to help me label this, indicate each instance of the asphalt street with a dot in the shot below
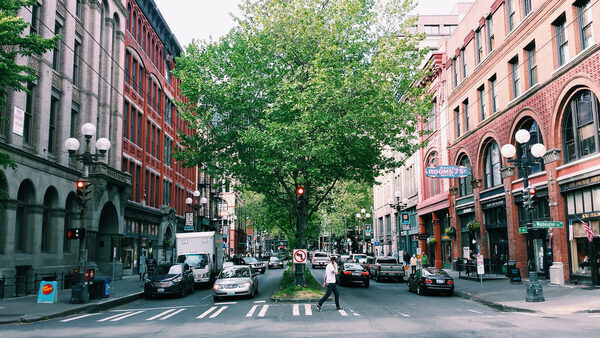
(383, 309)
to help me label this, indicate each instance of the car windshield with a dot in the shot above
(168, 270)
(249, 260)
(352, 266)
(320, 254)
(437, 272)
(193, 260)
(274, 259)
(235, 272)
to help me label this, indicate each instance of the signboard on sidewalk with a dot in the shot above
(47, 293)
(547, 224)
(300, 256)
(480, 267)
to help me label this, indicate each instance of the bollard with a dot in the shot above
(534, 289)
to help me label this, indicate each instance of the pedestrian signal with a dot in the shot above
(75, 233)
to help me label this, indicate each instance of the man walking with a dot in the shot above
(330, 272)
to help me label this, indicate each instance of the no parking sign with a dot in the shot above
(300, 256)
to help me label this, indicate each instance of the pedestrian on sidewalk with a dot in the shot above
(330, 271)
(142, 266)
(406, 258)
(424, 260)
(413, 264)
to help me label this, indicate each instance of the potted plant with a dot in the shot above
(167, 243)
(474, 226)
(451, 232)
(431, 240)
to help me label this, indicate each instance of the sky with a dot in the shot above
(202, 19)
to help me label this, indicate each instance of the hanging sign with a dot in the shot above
(447, 171)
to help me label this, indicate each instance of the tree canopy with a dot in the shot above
(305, 93)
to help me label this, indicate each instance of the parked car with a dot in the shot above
(356, 258)
(344, 258)
(169, 278)
(387, 267)
(430, 280)
(319, 259)
(254, 263)
(275, 262)
(353, 273)
(237, 280)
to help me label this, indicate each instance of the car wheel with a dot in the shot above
(216, 298)
(420, 290)
(192, 288)
(182, 291)
(408, 287)
(377, 278)
(451, 293)
(147, 295)
(366, 284)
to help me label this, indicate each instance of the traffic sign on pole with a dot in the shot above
(300, 256)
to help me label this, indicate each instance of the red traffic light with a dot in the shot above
(531, 191)
(80, 184)
(300, 191)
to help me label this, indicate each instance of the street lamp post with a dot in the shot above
(88, 130)
(399, 205)
(362, 215)
(194, 203)
(534, 289)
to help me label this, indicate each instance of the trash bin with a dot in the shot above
(97, 289)
(106, 289)
(557, 275)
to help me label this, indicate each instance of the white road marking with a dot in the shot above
(307, 309)
(404, 315)
(207, 312)
(263, 311)
(475, 311)
(343, 313)
(123, 317)
(218, 312)
(594, 316)
(115, 316)
(226, 303)
(78, 317)
(205, 297)
(296, 310)
(356, 314)
(529, 314)
(251, 312)
(160, 314)
(155, 308)
(259, 301)
(172, 314)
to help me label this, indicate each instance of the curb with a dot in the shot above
(85, 308)
(491, 304)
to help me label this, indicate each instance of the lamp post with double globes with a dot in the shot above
(399, 205)
(534, 289)
(362, 215)
(88, 130)
(194, 203)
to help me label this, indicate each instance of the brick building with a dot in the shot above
(533, 65)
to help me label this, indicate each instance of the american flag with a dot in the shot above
(590, 233)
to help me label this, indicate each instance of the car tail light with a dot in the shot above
(347, 273)
(428, 281)
(451, 282)
(365, 273)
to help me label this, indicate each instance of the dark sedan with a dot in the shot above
(430, 280)
(169, 278)
(275, 262)
(254, 263)
(353, 273)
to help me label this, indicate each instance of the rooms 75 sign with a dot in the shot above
(300, 256)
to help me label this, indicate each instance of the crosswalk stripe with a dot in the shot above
(260, 301)
(172, 314)
(78, 317)
(475, 311)
(343, 313)
(207, 312)
(355, 314)
(296, 310)
(123, 317)
(160, 314)
(307, 310)
(263, 311)
(404, 315)
(251, 312)
(115, 316)
(218, 312)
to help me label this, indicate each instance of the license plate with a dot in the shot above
(356, 274)
(161, 290)
(440, 281)
(230, 293)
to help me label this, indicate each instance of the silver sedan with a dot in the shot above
(237, 280)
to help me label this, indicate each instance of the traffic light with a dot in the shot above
(83, 191)
(529, 198)
(75, 233)
(300, 191)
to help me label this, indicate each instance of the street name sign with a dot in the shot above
(447, 171)
(522, 230)
(300, 256)
(547, 224)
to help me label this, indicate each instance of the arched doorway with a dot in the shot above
(106, 239)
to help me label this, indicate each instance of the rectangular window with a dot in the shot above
(138, 175)
(148, 137)
(167, 111)
(167, 193)
(35, 18)
(157, 191)
(133, 73)
(466, 111)
(74, 119)
(140, 78)
(584, 18)
(167, 153)
(76, 62)
(28, 118)
(157, 153)
(562, 44)
(489, 25)
(514, 74)
(481, 97)
(432, 29)
(54, 107)
(150, 92)
(464, 63)
(125, 120)
(526, 7)
(454, 73)
(57, 50)
(510, 15)
(531, 64)
(478, 47)
(138, 139)
(457, 117)
(449, 29)
(493, 94)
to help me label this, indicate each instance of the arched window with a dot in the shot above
(134, 25)
(49, 199)
(464, 183)
(139, 31)
(524, 150)
(580, 126)
(433, 184)
(25, 198)
(129, 17)
(492, 165)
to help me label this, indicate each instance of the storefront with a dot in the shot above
(494, 213)
(467, 240)
(140, 236)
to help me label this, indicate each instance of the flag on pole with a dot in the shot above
(588, 230)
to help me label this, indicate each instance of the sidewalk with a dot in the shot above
(503, 295)
(26, 309)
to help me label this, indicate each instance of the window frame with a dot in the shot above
(481, 98)
(457, 116)
(562, 41)
(514, 76)
(571, 115)
(465, 105)
(531, 64)
(489, 27)
(493, 94)
(465, 187)
(582, 8)
(492, 163)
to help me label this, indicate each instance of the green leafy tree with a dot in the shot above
(304, 93)
(14, 42)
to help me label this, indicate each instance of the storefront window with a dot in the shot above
(466, 238)
(581, 246)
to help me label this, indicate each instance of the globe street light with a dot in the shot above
(362, 215)
(399, 206)
(525, 163)
(194, 203)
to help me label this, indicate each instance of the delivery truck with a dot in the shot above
(203, 252)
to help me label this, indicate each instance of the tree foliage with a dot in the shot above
(304, 93)
(13, 43)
